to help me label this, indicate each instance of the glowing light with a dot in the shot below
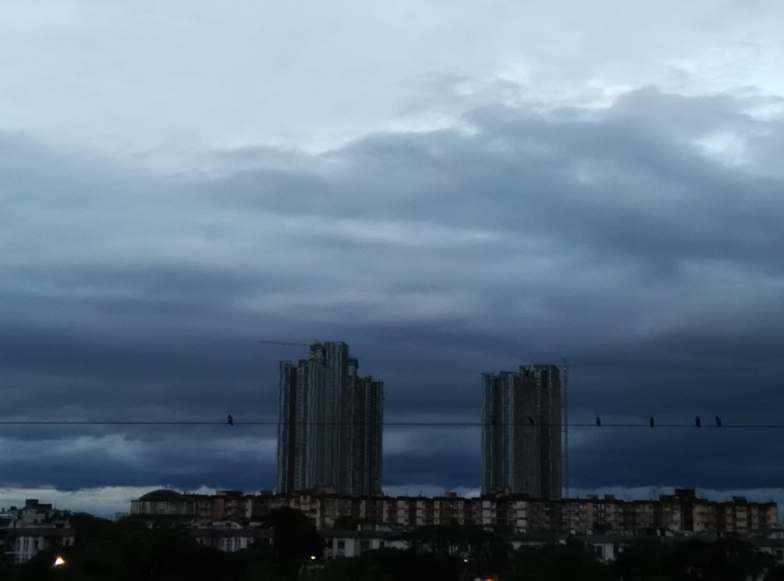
(313, 557)
(59, 561)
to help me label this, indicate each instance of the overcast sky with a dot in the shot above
(450, 187)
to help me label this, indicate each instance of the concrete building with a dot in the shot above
(352, 542)
(352, 525)
(228, 536)
(330, 424)
(35, 527)
(521, 431)
(23, 541)
(164, 502)
(231, 505)
(681, 513)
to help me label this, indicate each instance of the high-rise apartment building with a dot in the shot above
(521, 431)
(330, 424)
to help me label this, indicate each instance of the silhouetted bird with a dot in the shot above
(598, 421)
(697, 422)
(231, 420)
(531, 420)
(651, 421)
(718, 421)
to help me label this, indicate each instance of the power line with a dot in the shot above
(237, 423)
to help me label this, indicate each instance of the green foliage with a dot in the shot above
(464, 542)
(296, 540)
(394, 565)
(128, 550)
(775, 573)
(552, 562)
(720, 560)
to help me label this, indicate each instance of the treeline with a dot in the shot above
(129, 550)
(467, 553)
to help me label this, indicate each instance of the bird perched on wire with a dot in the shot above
(230, 420)
(697, 422)
(718, 422)
(598, 421)
(651, 422)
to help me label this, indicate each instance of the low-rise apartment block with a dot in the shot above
(679, 513)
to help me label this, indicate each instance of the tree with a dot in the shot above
(692, 560)
(127, 550)
(295, 540)
(477, 551)
(552, 562)
(643, 560)
(463, 542)
(395, 565)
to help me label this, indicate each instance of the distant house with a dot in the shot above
(228, 536)
(36, 527)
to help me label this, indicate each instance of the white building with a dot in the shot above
(354, 542)
(228, 536)
(23, 541)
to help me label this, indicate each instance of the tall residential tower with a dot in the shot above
(330, 424)
(521, 431)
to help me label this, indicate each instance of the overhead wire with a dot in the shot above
(238, 423)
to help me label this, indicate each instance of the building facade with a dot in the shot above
(330, 424)
(33, 528)
(228, 536)
(521, 431)
(606, 547)
(680, 513)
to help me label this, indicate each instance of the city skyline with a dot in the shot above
(449, 192)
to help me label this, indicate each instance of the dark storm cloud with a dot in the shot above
(719, 458)
(409, 458)
(206, 455)
(640, 242)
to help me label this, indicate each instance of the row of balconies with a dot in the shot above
(489, 512)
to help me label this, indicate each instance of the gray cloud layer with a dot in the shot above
(641, 242)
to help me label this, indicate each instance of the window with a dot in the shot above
(341, 545)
